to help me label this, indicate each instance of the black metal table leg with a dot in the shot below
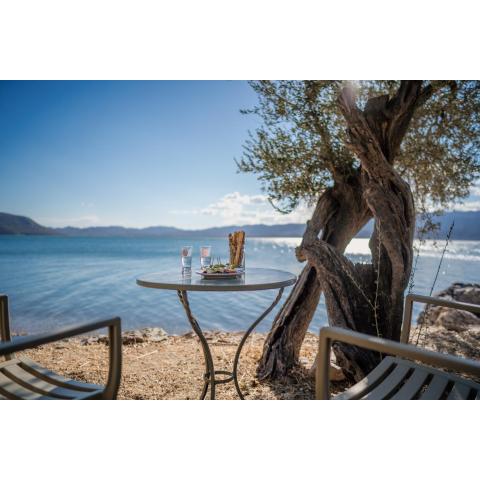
(210, 372)
(209, 377)
(244, 339)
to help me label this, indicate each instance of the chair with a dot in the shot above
(398, 376)
(21, 378)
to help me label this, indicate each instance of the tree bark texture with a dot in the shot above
(340, 214)
(364, 297)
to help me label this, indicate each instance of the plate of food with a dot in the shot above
(220, 271)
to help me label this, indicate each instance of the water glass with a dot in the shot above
(242, 262)
(186, 253)
(205, 256)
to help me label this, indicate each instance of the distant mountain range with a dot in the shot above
(467, 227)
(17, 225)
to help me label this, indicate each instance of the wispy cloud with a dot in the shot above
(235, 208)
(472, 203)
(475, 190)
(469, 206)
(242, 209)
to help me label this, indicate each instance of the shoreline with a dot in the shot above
(163, 366)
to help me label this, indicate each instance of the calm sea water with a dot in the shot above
(55, 281)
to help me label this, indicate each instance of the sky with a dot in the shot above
(135, 154)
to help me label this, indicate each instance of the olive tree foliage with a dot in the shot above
(385, 150)
(301, 146)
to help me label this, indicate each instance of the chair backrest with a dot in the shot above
(439, 302)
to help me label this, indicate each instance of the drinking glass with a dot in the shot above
(205, 256)
(242, 262)
(186, 253)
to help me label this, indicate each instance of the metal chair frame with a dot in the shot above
(43, 383)
(399, 350)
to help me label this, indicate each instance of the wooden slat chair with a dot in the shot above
(21, 378)
(398, 376)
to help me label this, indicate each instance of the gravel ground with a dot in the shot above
(173, 367)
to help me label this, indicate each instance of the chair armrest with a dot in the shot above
(115, 346)
(4, 319)
(331, 334)
(438, 302)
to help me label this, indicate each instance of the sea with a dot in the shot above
(55, 281)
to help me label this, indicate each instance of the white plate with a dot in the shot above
(216, 276)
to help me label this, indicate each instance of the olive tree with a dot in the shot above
(356, 151)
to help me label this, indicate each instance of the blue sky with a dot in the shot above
(130, 153)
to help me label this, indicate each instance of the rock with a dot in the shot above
(468, 294)
(132, 336)
(457, 320)
(336, 373)
(154, 334)
(129, 337)
(449, 318)
(462, 292)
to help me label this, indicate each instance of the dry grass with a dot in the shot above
(173, 368)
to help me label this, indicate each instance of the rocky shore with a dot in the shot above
(450, 319)
(161, 366)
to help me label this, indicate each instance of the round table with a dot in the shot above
(253, 279)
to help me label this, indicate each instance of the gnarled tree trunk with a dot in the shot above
(363, 297)
(340, 214)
